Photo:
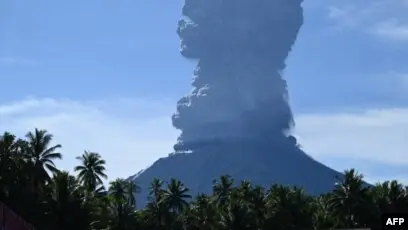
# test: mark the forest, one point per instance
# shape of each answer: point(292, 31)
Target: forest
point(86, 199)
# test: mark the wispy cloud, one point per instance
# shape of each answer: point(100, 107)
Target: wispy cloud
point(132, 133)
point(391, 29)
point(373, 135)
point(128, 142)
point(383, 18)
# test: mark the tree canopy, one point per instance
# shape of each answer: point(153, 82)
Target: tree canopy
point(49, 198)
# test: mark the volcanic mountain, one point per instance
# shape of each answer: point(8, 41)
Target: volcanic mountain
point(237, 119)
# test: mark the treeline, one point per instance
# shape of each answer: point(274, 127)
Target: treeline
point(51, 199)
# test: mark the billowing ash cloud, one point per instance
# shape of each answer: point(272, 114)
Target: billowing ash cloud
point(236, 119)
point(241, 47)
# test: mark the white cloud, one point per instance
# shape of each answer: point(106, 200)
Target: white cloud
point(383, 18)
point(132, 133)
point(391, 29)
point(377, 135)
point(402, 178)
point(127, 142)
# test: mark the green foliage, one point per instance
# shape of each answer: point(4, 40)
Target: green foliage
point(49, 198)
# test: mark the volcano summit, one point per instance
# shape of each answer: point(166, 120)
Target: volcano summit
point(237, 119)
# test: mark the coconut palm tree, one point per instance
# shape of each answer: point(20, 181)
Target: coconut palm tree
point(156, 190)
point(157, 211)
point(7, 150)
point(349, 199)
point(41, 153)
point(257, 205)
point(91, 171)
point(68, 202)
point(7, 143)
point(64, 187)
point(390, 196)
point(288, 208)
point(121, 208)
point(131, 190)
point(7, 161)
point(323, 217)
point(222, 188)
point(174, 197)
point(202, 213)
point(117, 190)
point(236, 216)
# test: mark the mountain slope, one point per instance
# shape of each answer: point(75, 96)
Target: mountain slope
point(261, 162)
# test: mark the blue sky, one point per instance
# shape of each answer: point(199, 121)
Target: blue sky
point(105, 76)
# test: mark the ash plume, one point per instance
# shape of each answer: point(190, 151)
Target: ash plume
point(237, 120)
point(238, 91)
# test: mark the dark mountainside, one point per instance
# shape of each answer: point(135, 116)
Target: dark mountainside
point(237, 120)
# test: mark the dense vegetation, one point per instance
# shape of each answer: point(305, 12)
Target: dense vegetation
point(52, 199)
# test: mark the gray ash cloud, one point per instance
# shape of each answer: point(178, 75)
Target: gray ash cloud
point(238, 90)
point(237, 120)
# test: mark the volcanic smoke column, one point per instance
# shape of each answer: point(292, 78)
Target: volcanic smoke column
point(238, 91)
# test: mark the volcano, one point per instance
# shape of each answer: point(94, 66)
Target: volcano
point(237, 119)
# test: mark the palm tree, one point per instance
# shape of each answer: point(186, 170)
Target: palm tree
point(131, 190)
point(65, 187)
point(156, 190)
point(7, 161)
point(349, 199)
point(91, 171)
point(323, 217)
point(68, 202)
point(222, 188)
point(156, 210)
point(288, 208)
point(7, 141)
point(245, 190)
point(42, 155)
point(121, 208)
point(202, 213)
point(117, 191)
point(236, 216)
point(257, 205)
point(7, 150)
point(40, 150)
point(174, 197)
point(390, 196)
